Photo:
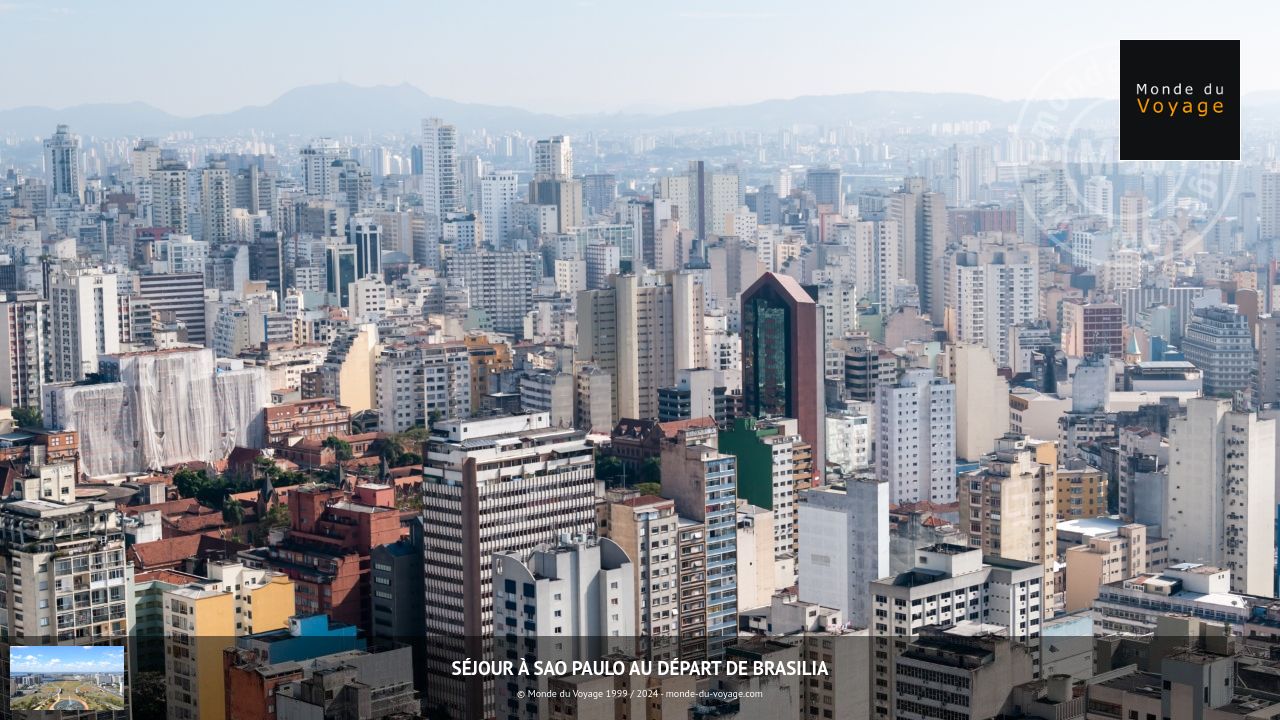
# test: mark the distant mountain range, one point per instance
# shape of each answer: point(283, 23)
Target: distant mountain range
point(343, 109)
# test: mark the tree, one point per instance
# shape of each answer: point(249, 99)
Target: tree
point(651, 471)
point(30, 417)
point(233, 512)
point(147, 694)
point(341, 448)
point(277, 516)
point(609, 469)
point(648, 488)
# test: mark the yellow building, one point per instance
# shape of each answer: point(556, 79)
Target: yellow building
point(1082, 493)
point(203, 618)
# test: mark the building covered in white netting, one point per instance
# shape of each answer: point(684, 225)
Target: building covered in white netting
point(158, 408)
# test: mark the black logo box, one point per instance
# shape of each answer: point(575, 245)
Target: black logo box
point(1187, 68)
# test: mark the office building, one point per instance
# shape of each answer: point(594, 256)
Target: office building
point(499, 284)
point(783, 356)
point(505, 483)
point(1219, 341)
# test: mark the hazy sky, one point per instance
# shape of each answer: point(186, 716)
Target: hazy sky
point(576, 56)
point(66, 658)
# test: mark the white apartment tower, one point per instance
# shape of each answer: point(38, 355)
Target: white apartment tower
point(84, 321)
point(916, 452)
point(499, 193)
point(993, 287)
point(1220, 506)
point(439, 173)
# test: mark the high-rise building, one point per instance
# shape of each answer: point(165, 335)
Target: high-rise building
point(1008, 506)
point(217, 197)
point(24, 340)
point(170, 204)
point(702, 482)
point(992, 288)
point(782, 357)
point(1221, 506)
point(599, 191)
point(202, 617)
point(318, 177)
point(500, 484)
point(916, 448)
point(499, 283)
point(1099, 198)
point(1269, 207)
point(824, 184)
point(499, 193)
point(921, 219)
point(553, 158)
point(772, 463)
point(84, 321)
point(982, 406)
point(1266, 388)
point(177, 298)
point(366, 236)
point(1218, 340)
point(62, 162)
point(642, 330)
point(52, 544)
point(646, 527)
point(417, 384)
point(440, 192)
point(844, 544)
point(1092, 328)
point(340, 273)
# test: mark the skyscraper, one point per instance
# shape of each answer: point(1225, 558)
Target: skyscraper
point(782, 357)
point(439, 173)
point(169, 202)
point(922, 230)
point(366, 236)
point(62, 161)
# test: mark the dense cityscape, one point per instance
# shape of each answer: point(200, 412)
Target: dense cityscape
point(925, 411)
